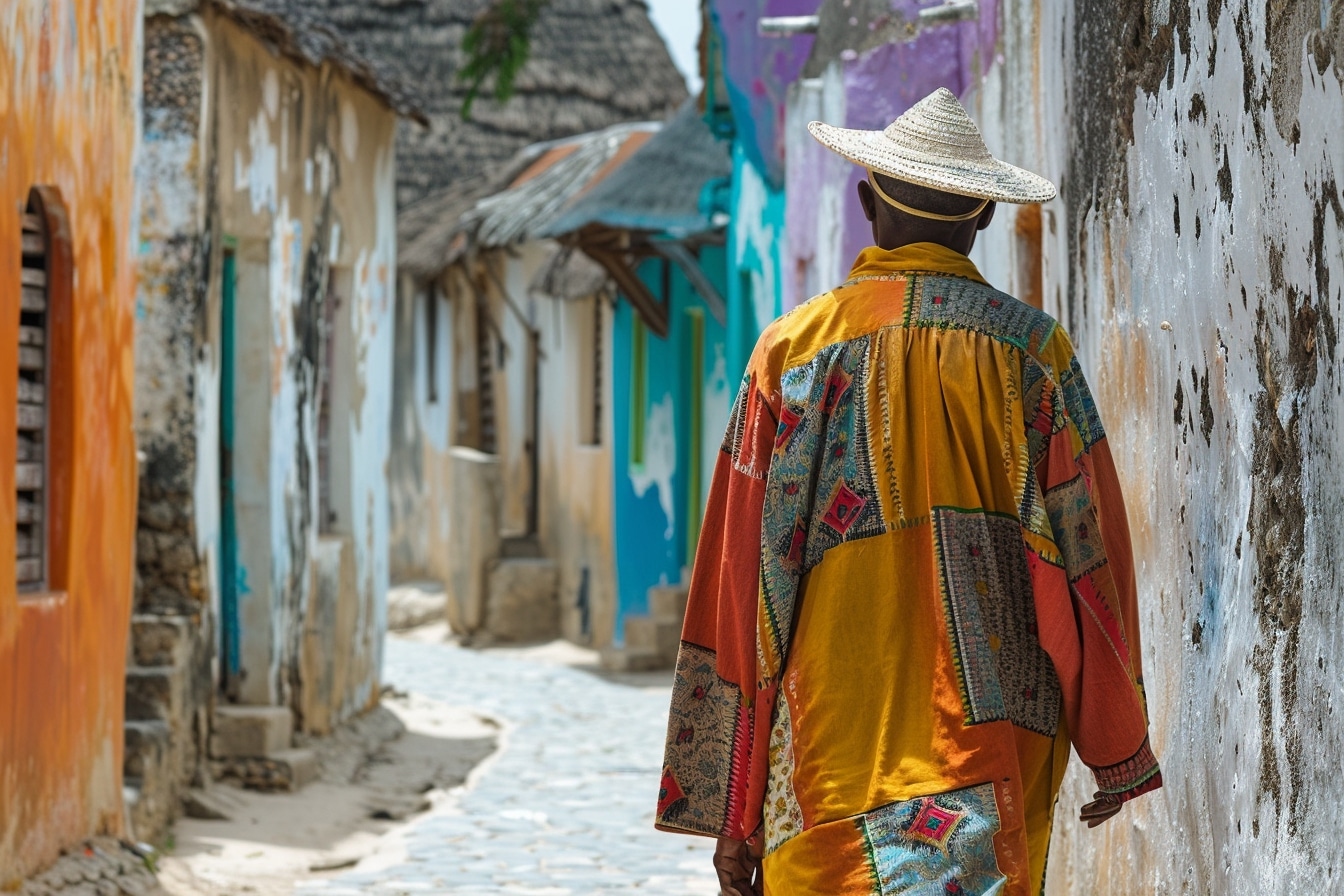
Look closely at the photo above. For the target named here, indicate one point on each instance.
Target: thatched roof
(593, 63)
(660, 188)
(292, 28)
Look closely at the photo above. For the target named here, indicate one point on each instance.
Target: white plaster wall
(576, 478)
(1213, 357)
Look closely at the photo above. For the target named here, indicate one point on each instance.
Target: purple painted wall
(759, 71)
(886, 81)
(872, 89)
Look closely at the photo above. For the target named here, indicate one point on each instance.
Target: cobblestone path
(564, 807)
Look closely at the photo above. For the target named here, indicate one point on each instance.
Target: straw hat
(935, 144)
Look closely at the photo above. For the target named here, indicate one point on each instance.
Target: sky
(679, 23)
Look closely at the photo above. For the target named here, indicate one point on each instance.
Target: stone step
(160, 640)
(662, 636)
(250, 731)
(148, 749)
(627, 659)
(148, 775)
(668, 601)
(522, 600)
(153, 693)
(287, 770)
(521, 547)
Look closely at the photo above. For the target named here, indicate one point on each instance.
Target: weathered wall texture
(1197, 257)
(288, 170)
(69, 96)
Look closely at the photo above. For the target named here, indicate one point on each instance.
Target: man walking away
(914, 588)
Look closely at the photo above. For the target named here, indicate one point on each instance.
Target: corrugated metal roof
(533, 202)
(659, 189)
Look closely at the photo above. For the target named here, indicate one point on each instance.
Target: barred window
(33, 361)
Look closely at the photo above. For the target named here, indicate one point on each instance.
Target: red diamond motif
(836, 387)
(933, 824)
(844, 510)
(788, 422)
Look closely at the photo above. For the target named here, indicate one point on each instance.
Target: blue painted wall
(654, 521)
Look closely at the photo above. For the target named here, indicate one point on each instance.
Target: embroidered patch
(954, 303)
(844, 509)
(788, 422)
(1073, 520)
(820, 491)
(933, 824)
(990, 610)
(1078, 400)
(783, 814)
(935, 844)
(705, 730)
(1130, 774)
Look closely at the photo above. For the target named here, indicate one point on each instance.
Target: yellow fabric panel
(957, 383)
(853, 625)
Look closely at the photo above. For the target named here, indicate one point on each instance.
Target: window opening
(432, 344)
(486, 380)
(639, 389)
(32, 418)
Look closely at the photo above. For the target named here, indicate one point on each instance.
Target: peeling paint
(660, 460)
(69, 98)
(312, 238)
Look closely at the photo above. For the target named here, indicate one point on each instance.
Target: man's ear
(986, 216)
(868, 199)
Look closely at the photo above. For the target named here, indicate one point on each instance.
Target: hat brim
(982, 179)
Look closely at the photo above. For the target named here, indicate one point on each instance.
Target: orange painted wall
(69, 107)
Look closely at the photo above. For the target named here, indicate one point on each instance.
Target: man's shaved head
(893, 228)
(926, 199)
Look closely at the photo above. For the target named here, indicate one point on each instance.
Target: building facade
(69, 92)
(264, 369)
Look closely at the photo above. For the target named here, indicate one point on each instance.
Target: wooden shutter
(485, 351)
(31, 456)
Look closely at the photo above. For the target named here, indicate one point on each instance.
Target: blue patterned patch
(1078, 402)
(990, 607)
(821, 491)
(936, 845)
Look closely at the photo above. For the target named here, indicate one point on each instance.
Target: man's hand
(739, 867)
(1103, 808)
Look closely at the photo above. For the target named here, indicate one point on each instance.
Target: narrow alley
(566, 804)
(412, 412)
(560, 805)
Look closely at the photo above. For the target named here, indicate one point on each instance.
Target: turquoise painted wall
(670, 405)
(757, 246)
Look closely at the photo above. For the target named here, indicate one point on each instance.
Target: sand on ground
(273, 841)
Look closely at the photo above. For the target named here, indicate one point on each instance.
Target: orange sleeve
(1087, 603)
(714, 767)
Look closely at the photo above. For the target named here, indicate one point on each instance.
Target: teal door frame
(229, 629)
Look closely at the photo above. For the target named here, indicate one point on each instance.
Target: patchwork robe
(913, 591)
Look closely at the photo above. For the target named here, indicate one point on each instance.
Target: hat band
(920, 213)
